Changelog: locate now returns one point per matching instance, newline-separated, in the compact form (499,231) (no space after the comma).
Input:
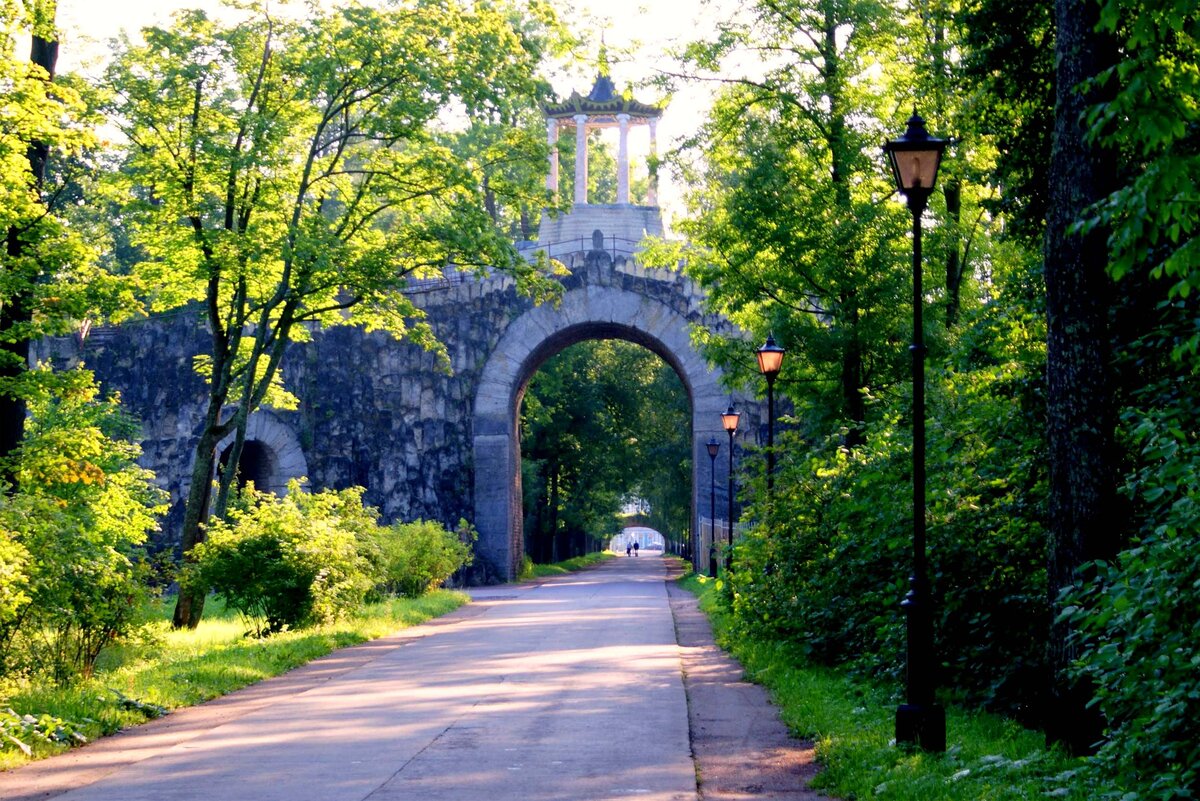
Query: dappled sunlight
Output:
(537,694)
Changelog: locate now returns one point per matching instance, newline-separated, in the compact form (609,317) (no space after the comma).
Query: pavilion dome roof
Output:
(604,100)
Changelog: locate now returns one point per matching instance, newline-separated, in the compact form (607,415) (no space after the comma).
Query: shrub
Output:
(825,567)
(1136,620)
(420,556)
(288,561)
(70,565)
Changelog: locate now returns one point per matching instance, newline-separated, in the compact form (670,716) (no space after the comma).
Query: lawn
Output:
(166,669)
(533,571)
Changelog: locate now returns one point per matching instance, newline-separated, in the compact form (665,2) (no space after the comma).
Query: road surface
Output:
(571,688)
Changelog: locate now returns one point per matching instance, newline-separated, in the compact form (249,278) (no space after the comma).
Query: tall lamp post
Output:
(729,421)
(713,448)
(914,159)
(770,360)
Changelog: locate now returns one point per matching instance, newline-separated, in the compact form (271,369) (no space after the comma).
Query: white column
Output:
(623,159)
(552,140)
(581,172)
(652,190)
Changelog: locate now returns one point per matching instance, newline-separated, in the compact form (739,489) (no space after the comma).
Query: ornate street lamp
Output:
(713,448)
(914,159)
(770,361)
(729,421)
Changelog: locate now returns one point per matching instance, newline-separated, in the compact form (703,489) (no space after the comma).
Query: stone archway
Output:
(587,312)
(273,452)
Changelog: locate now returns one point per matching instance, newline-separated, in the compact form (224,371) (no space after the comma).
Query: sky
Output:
(648,28)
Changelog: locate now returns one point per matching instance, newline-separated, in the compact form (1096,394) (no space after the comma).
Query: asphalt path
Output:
(576,688)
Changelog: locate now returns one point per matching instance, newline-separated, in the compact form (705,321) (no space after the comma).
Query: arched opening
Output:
(257,464)
(587,312)
(604,427)
(648,539)
(271,455)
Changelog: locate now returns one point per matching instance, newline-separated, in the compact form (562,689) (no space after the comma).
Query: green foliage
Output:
(73,576)
(603,422)
(828,562)
(21,730)
(288,561)
(51,273)
(413,558)
(1153,122)
(1135,617)
(851,720)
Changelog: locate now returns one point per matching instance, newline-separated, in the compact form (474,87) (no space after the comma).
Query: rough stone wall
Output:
(374,412)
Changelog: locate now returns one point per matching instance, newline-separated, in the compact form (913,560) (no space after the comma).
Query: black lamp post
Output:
(914,160)
(729,421)
(770,360)
(714,447)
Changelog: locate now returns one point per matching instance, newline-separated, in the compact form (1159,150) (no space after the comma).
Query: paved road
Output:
(571,689)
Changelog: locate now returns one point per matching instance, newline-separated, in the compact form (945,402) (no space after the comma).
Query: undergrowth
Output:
(988,758)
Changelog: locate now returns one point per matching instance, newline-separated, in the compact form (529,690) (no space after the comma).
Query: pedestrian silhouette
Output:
(628,548)
(635,548)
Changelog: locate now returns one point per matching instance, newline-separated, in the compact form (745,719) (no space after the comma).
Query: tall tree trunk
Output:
(852,375)
(1080,410)
(841,170)
(189,605)
(554,551)
(16,311)
(952,191)
(526,223)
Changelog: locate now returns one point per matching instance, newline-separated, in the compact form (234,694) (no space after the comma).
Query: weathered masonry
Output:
(377,413)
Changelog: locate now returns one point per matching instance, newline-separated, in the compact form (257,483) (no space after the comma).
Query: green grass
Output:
(174,669)
(988,758)
(532,571)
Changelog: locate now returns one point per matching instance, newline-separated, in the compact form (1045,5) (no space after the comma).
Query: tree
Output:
(83,509)
(1084,521)
(1008,64)
(603,422)
(49,280)
(789,233)
(290,175)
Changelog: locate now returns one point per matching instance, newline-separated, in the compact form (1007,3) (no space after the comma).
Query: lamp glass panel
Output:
(916,168)
(769,361)
(729,421)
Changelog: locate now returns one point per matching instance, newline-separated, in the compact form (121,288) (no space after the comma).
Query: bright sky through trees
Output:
(642,29)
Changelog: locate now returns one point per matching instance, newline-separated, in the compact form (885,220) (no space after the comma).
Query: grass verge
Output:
(169,669)
(988,758)
(532,571)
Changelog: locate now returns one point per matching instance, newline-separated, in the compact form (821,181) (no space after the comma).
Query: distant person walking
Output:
(635,548)
(628,549)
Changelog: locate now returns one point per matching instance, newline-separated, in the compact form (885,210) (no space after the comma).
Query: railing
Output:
(612,245)
(448,279)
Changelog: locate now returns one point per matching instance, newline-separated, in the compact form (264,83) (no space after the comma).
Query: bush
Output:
(827,565)
(70,564)
(1136,620)
(414,558)
(288,561)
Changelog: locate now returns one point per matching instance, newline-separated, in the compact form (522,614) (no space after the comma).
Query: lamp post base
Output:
(922,725)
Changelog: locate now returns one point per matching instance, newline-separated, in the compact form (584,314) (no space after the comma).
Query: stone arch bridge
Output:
(425,444)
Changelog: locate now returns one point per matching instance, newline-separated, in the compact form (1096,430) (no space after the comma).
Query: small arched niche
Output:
(271,455)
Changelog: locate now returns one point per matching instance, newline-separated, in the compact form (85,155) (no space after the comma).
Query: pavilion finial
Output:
(604,89)
(602,65)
